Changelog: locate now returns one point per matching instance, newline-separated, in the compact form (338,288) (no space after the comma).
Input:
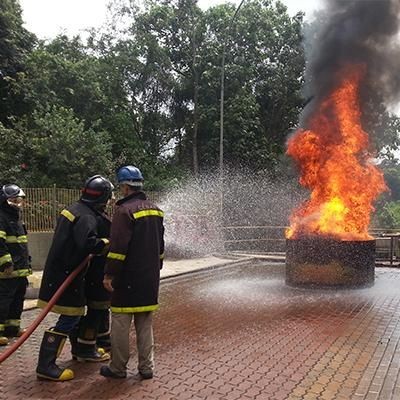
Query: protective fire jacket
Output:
(13,243)
(136,254)
(97,297)
(76,236)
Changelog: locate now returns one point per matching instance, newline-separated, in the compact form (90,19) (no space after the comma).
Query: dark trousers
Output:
(12,295)
(89,325)
(67,323)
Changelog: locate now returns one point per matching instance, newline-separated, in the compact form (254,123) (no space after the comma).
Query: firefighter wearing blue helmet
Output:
(130,175)
(132,273)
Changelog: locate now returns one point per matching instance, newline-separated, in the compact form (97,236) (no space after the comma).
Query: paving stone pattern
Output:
(239,333)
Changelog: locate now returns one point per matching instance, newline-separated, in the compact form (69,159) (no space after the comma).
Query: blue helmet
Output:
(130,175)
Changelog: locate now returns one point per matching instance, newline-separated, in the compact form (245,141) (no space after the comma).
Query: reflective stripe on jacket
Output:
(13,244)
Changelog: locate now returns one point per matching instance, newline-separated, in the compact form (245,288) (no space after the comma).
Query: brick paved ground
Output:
(239,333)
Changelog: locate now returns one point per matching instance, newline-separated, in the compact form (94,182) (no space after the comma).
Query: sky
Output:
(47,18)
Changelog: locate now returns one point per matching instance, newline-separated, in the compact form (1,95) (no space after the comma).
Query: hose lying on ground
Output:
(10,350)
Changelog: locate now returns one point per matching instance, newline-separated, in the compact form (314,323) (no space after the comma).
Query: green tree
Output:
(61,73)
(181,48)
(12,154)
(57,149)
(388,216)
(153,87)
(264,76)
(387,208)
(15,44)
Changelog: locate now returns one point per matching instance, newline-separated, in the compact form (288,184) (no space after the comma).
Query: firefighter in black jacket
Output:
(92,336)
(14,262)
(133,274)
(76,236)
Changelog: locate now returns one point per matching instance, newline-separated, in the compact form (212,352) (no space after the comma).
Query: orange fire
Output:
(336,166)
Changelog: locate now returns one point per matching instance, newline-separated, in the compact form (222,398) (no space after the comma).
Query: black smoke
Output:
(364,32)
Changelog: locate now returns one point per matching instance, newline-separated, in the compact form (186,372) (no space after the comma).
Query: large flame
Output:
(336,166)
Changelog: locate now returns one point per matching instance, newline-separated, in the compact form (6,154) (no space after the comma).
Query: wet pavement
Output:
(239,333)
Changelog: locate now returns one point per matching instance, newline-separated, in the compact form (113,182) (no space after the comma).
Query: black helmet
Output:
(97,190)
(10,191)
(12,195)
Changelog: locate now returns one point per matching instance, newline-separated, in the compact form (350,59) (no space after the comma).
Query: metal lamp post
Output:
(221,114)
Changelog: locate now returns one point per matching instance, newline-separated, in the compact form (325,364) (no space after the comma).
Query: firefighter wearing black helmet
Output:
(14,262)
(91,339)
(82,229)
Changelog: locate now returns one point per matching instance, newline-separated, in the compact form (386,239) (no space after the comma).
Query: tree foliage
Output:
(15,44)
(145,89)
(148,92)
(52,145)
(387,214)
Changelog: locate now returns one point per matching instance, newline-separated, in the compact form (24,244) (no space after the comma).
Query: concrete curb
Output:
(242,261)
(30,304)
(279,258)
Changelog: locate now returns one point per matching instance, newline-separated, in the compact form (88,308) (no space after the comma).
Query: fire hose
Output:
(10,350)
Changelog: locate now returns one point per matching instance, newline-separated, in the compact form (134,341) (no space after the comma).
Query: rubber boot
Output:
(90,353)
(15,333)
(51,347)
(86,349)
(13,329)
(3,340)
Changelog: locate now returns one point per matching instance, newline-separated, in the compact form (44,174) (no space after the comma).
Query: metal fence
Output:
(43,205)
(271,239)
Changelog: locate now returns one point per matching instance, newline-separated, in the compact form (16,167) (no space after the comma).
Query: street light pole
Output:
(221,117)
(221,109)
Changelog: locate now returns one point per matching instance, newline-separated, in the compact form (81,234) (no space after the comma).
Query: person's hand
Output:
(107,282)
